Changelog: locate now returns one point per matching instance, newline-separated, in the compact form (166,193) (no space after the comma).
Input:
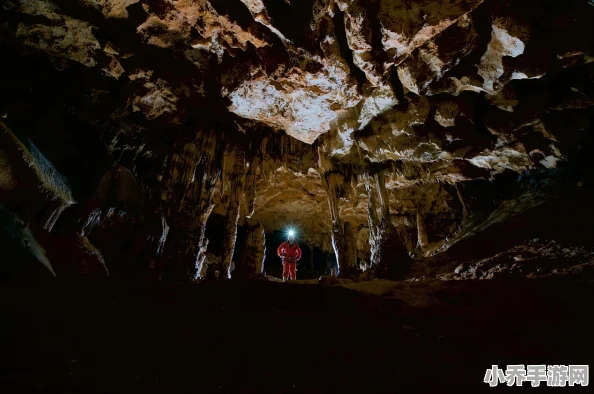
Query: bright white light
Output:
(291,233)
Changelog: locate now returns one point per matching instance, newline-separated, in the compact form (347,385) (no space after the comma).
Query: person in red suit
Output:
(290,253)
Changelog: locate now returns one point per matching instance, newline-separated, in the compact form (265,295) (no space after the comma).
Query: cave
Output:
(432,158)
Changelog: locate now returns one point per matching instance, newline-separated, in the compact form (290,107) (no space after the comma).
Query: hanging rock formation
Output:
(187,198)
(388,256)
(343,241)
(422,237)
(234,170)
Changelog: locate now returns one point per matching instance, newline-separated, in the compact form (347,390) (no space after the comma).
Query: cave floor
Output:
(98,336)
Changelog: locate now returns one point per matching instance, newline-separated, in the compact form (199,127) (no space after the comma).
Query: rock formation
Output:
(251,262)
(385,130)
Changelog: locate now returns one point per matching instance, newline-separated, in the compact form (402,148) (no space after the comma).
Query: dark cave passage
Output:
(311,266)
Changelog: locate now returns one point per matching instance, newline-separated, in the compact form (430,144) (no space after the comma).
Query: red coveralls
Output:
(290,254)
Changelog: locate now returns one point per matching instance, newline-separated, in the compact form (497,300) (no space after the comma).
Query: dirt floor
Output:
(99,336)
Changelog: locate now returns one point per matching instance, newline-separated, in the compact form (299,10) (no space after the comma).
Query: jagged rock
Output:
(408,27)
(423,239)
(434,58)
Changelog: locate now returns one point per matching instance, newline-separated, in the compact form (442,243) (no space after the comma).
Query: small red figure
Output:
(290,253)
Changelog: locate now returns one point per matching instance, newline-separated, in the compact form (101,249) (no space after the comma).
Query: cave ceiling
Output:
(295,111)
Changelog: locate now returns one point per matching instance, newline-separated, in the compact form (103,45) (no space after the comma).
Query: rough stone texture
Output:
(135,108)
(302,104)
(409,26)
(388,255)
(234,169)
(251,263)
(536,259)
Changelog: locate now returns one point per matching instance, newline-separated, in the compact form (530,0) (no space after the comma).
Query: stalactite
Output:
(104,219)
(253,171)
(230,237)
(423,239)
(382,193)
(114,216)
(282,150)
(55,215)
(334,183)
(350,247)
(235,172)
(187,198)
(463,203)
(354,195)
(380,227)
(201,212)
(93,220)
(338,245)
(201,260)
(374,224)
(250,185)
(164,234)
(389,257)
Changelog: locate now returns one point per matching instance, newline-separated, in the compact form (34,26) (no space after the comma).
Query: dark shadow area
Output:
(256,336)
(235,10)
(215,230)
(41,108)
(292,20)
(345,51)
(398,88)
(567,220)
